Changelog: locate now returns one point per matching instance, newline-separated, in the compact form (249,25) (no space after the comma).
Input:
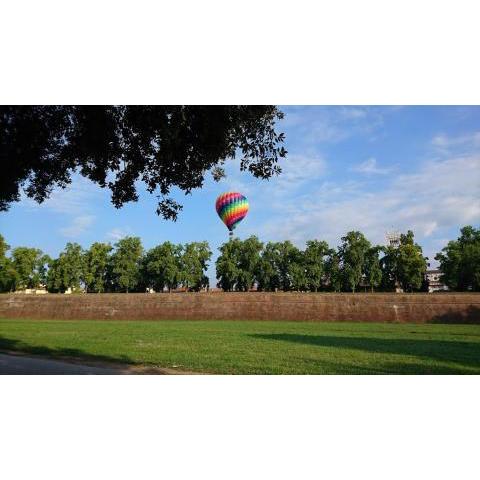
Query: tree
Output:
(460,261)
(285,256)
(405,265)
(97,259)
(267,274)
(372,268)
(333,270)
(68,270)
(314,259)
(29,265)
(227,265)
(162,266)
(194,264)
(117,146)
(297,270)
(281,266)
(8,275)
(54,277)
(353,252)
(248,260)
(4,247)
(239,265)
(389,266)
(125,263)
(412,265)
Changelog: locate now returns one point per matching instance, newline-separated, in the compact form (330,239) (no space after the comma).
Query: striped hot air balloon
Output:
(232,207)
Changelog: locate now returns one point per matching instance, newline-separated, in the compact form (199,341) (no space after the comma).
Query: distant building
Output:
(393,238)
(71,290)
(33,291)
(435,284)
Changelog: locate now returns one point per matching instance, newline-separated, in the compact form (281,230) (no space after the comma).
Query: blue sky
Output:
(371,169)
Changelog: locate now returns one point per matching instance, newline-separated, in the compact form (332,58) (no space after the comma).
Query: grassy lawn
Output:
(255,347)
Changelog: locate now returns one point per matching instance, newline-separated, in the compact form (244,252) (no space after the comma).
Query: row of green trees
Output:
(124,267)
(241,265)
(356,263)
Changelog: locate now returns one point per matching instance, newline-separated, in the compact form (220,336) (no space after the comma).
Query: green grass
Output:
(255,347)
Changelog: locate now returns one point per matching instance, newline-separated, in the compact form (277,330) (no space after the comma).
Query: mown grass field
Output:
(254,347)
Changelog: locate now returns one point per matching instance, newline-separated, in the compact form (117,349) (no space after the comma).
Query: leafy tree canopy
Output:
(333,271)
(314,259)
(248,260)
(4,247)
(97,267)
(460,261)
(194,263)
(8,275)
(30,267)
(126,263)
(117,146)
(67,271)
(372,268)
(404,265)
(353,252)
(162,266)
(227,265)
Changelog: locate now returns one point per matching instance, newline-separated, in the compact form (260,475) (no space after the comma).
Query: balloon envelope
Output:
(232,207)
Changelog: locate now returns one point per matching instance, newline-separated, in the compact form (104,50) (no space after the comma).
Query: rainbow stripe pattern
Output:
(232,207)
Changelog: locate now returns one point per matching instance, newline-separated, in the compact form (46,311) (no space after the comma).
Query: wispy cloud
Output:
(353,113)
(78,226)
(298,170)
(441,194)
(73,200)
(370,167)
(117,234)
(332,125)
(448,144)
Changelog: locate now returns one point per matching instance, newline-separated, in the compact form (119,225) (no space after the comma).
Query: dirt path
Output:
(14,363)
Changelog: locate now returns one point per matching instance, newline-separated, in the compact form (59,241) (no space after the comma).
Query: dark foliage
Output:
(116,146)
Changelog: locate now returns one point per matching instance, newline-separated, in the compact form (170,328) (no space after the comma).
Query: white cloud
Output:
(440,195)
(116,234)
(78,226)
(353,113)
(447,144)
(316,125)
(74,199)
(369,166)
(297,170)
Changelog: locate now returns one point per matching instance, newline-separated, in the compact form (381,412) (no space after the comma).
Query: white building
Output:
(435,284)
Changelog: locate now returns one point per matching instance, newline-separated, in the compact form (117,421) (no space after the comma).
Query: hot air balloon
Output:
(232,207)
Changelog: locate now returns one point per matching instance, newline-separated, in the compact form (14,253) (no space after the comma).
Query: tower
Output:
(393,238)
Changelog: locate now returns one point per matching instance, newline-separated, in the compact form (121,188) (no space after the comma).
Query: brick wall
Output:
(415,308)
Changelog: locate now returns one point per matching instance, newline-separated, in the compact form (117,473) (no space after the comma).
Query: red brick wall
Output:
(415,308)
